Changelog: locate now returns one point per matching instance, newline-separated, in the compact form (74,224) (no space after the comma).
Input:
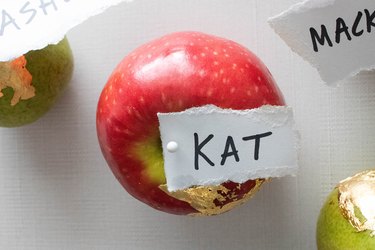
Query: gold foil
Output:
(357,200)
(14,74)
(202,198)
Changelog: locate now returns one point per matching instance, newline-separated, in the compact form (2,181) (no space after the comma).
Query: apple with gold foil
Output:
(30,84)
(347,219)
(171,74)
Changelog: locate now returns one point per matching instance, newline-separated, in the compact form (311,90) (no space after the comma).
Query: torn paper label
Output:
(208,145)
(336,36)
(33,24)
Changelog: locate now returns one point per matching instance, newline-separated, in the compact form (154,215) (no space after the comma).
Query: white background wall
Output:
(56,191)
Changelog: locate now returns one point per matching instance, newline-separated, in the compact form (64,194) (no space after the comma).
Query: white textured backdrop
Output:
(56,191)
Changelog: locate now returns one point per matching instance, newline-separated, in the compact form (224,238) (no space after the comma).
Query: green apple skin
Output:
(51,69)
(334,231)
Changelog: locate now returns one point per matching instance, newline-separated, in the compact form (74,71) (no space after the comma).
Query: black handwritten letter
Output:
(30,11)
(198,147)
(227,153)
(356,23)
(341,27)
(320,39)
(370,20)
(257,142)
(7,20)
(44,5)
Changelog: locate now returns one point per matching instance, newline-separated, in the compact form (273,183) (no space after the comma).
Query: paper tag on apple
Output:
(209,145)
(33,24)
(336,36)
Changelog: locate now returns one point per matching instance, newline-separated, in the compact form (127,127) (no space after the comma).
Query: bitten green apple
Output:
(30,84)
(171,74)
(347,219)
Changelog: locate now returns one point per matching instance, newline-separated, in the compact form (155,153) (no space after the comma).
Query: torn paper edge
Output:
(184,181)
(258,114)
(302,7)
(59,33)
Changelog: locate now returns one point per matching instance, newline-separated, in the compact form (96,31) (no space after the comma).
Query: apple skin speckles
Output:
(171,74)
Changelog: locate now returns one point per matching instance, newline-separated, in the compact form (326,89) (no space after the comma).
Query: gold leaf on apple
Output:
(357,200)
(14,74)
(203,198)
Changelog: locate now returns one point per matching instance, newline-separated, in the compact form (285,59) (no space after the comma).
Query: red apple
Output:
(171,74)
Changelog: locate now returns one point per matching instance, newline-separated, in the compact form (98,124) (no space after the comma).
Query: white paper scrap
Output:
(336,36)
(209,145)
(33,24)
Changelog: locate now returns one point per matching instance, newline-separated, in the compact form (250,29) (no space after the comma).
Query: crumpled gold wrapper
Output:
(205,198)
(357,200)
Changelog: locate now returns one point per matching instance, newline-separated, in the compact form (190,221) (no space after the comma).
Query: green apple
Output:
(30,84)
(347,219)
